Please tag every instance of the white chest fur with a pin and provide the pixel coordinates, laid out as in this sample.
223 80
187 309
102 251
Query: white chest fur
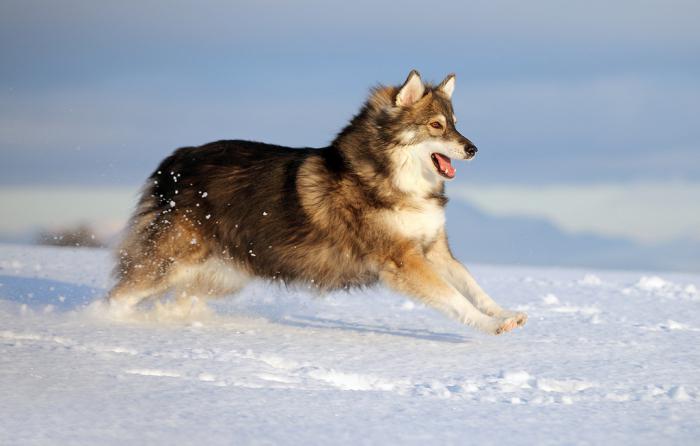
421 223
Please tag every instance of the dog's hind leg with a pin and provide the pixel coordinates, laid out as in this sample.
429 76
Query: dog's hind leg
210 278
129 294
412 274
152 256
138 279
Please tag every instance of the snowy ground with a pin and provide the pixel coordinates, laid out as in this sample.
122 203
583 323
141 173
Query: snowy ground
605 357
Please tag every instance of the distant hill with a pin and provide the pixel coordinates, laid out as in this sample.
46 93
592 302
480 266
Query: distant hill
478 237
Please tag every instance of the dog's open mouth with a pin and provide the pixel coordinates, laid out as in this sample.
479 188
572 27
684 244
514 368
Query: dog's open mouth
443 165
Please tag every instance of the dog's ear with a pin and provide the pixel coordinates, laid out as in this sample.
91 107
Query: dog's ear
447 86
411 90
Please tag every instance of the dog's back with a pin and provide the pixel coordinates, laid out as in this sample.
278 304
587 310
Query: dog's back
239 204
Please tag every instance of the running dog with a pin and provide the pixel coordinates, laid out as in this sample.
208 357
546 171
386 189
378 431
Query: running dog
368 208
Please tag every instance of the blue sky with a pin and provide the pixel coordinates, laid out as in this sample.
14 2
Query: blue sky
555 94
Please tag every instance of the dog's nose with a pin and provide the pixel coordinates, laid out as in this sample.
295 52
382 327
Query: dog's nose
471 150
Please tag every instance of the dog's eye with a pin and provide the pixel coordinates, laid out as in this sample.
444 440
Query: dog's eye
435 125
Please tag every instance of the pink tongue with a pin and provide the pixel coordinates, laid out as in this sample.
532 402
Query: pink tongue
445 165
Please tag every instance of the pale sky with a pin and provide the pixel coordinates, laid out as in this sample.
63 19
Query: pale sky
585 112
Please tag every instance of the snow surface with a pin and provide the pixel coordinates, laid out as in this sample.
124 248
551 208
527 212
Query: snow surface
606 357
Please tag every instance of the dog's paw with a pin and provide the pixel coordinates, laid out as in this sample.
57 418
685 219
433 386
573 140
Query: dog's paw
504 325
520 317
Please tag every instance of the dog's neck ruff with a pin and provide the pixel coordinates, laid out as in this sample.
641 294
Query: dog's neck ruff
411 175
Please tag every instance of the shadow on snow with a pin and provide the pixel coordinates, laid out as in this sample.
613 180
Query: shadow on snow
36 292
415 333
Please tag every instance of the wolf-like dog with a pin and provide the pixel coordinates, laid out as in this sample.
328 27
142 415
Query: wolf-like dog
368 208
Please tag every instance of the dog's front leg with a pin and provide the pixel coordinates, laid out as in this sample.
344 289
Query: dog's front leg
459 276
412 274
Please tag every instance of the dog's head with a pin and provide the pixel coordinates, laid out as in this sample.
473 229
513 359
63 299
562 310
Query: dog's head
408 134
428 124
415 126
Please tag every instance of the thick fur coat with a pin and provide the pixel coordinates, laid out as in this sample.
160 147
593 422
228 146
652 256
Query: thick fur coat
368 208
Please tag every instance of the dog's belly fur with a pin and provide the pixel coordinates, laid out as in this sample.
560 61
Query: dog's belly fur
272 212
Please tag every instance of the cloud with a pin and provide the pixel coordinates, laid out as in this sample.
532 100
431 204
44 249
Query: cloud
564 130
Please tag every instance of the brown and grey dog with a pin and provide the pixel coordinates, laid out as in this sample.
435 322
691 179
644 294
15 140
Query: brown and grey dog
369 208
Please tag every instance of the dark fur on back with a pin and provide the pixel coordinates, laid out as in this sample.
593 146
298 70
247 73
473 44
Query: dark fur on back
250 192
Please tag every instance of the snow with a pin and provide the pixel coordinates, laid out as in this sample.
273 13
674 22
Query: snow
590 279
652 283
606 357
550 299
